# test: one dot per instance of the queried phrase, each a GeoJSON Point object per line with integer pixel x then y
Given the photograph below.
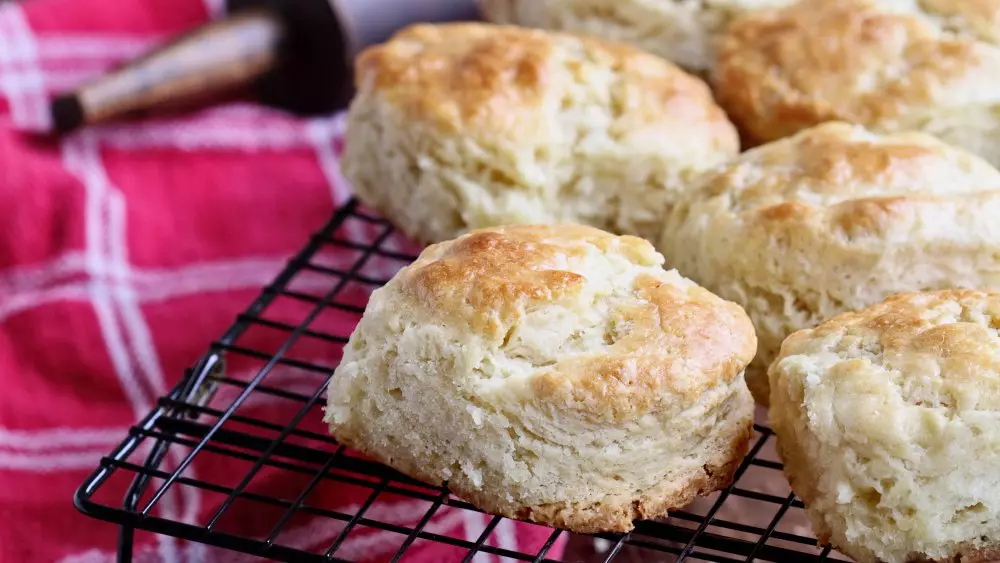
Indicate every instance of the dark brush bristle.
{"type": "Point", "coordinates": [67, 113]}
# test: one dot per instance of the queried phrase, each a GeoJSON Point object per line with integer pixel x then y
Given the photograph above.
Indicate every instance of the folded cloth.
{"type": "Point", "coordinates": [125, 250]}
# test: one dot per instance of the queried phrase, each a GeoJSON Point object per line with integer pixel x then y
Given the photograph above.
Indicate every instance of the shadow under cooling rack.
{"type": "Point", "coordinates": [242, 433]}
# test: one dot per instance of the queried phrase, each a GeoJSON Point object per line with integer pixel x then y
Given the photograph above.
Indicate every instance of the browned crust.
{"type": "Point", "coordinates": [780, 71]}
{"type": "Point", "coordinates": [758, 383]}
{"type": "Point", "coordinates": [968, 554]}
{"type": "Point", "coordinates": [484, 281]}
{"type": "Point", "coordinates": [476, 76]}
{"type": "Point", "coordinates": [592, 517]}
{"type": "Point", "coordinates": [965, 554]}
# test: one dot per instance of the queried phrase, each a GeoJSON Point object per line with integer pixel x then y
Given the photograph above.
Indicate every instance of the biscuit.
{"type": "Point", "coordinates": [681, 31]}
{"type": "Point", "coordinates": [833, 219]}
{"type": "Point", "coordinates": [888, 423]}
{"type": "Point", "coordinates": [470, 125]}
{"type": "Point", "coordinates": [552, 373]}
{"type": "Point", "coordinates": [888, 65]}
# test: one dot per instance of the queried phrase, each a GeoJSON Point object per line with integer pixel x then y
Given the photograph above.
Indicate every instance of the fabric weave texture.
{"type": "Point", "coordinates": [125, 250]}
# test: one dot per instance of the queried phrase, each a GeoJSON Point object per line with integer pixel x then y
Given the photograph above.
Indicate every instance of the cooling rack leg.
{"type": "Point", "coordinates": [125, 534]}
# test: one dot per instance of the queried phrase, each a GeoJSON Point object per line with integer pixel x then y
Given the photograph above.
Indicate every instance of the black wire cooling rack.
{"type": "Point", "coordinates": [208, 418]}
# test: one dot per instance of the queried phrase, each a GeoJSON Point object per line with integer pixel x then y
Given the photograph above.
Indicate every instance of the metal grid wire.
{"type": "Point", "coordinates": [205, 416]}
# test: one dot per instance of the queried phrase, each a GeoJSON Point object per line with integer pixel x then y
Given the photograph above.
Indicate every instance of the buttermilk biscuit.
{"type": "Point", "coordinates": [888, 422]}
{"type": "Point", "coordinates": [929, 65]}
{"type": "Point", "coordinates": [551, 373]}
{"type": "Point", "coordinates": [683, 31]}
{"type": "Point", "coordinates": [462, 126]}
{"type": "Point", "coordinates": [833, 219]}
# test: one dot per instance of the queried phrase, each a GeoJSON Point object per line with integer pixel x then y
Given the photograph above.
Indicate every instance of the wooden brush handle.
{"type": "Point", "coordinates": [292, 54]}
{"type": "Point", "coordinates": [221, 57]}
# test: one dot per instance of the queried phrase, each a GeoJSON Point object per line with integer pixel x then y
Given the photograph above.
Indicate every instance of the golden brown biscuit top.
{"type": "Point", "coordinates": [845, 174]}
{"type": "Point", "coordinates": [937, 349]}
{"type": "Point", "coordinates": [494, 274]}
{"type": "Point", "coordinates": [590, 315]}
{"type": "Point", "coordinates": [478, 77]}
{"type": "Point", "coordinates": [975, 18]}
{"type": "Point", "coordinates": [857, 61]}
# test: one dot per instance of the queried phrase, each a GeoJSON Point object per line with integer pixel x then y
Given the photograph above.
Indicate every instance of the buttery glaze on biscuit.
{"type": "Point", "coordinates": [889, 65]}
{"type": "Point", "coordinates": [557, 374]}
{"type": "Point", "coordinates": [680, 31]}
{"type": "Point", "coordinates": [833, 219]}
{"type": "Point", "coordinates": [888, 422]}
{"type": "Point", "coordinates": [470, 125]}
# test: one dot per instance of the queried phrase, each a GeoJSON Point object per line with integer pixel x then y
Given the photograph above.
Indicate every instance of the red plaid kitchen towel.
{"type": "Point", "coordinates": [124, 251]}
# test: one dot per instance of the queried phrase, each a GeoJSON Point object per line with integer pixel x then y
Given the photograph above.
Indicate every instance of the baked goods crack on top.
{"type": "Point", "coordinates": [833, 219]}
{"type": "Point", "coordinates": [891, 65]}
{"type": "Point", "coordinates": [552, 373]}
{"type": "Point", "coordinates": [470, 125]}
{"type": "Point", "coordinates": [682, 31]}
{"type": "Point", "coordinates": [888, 423]}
